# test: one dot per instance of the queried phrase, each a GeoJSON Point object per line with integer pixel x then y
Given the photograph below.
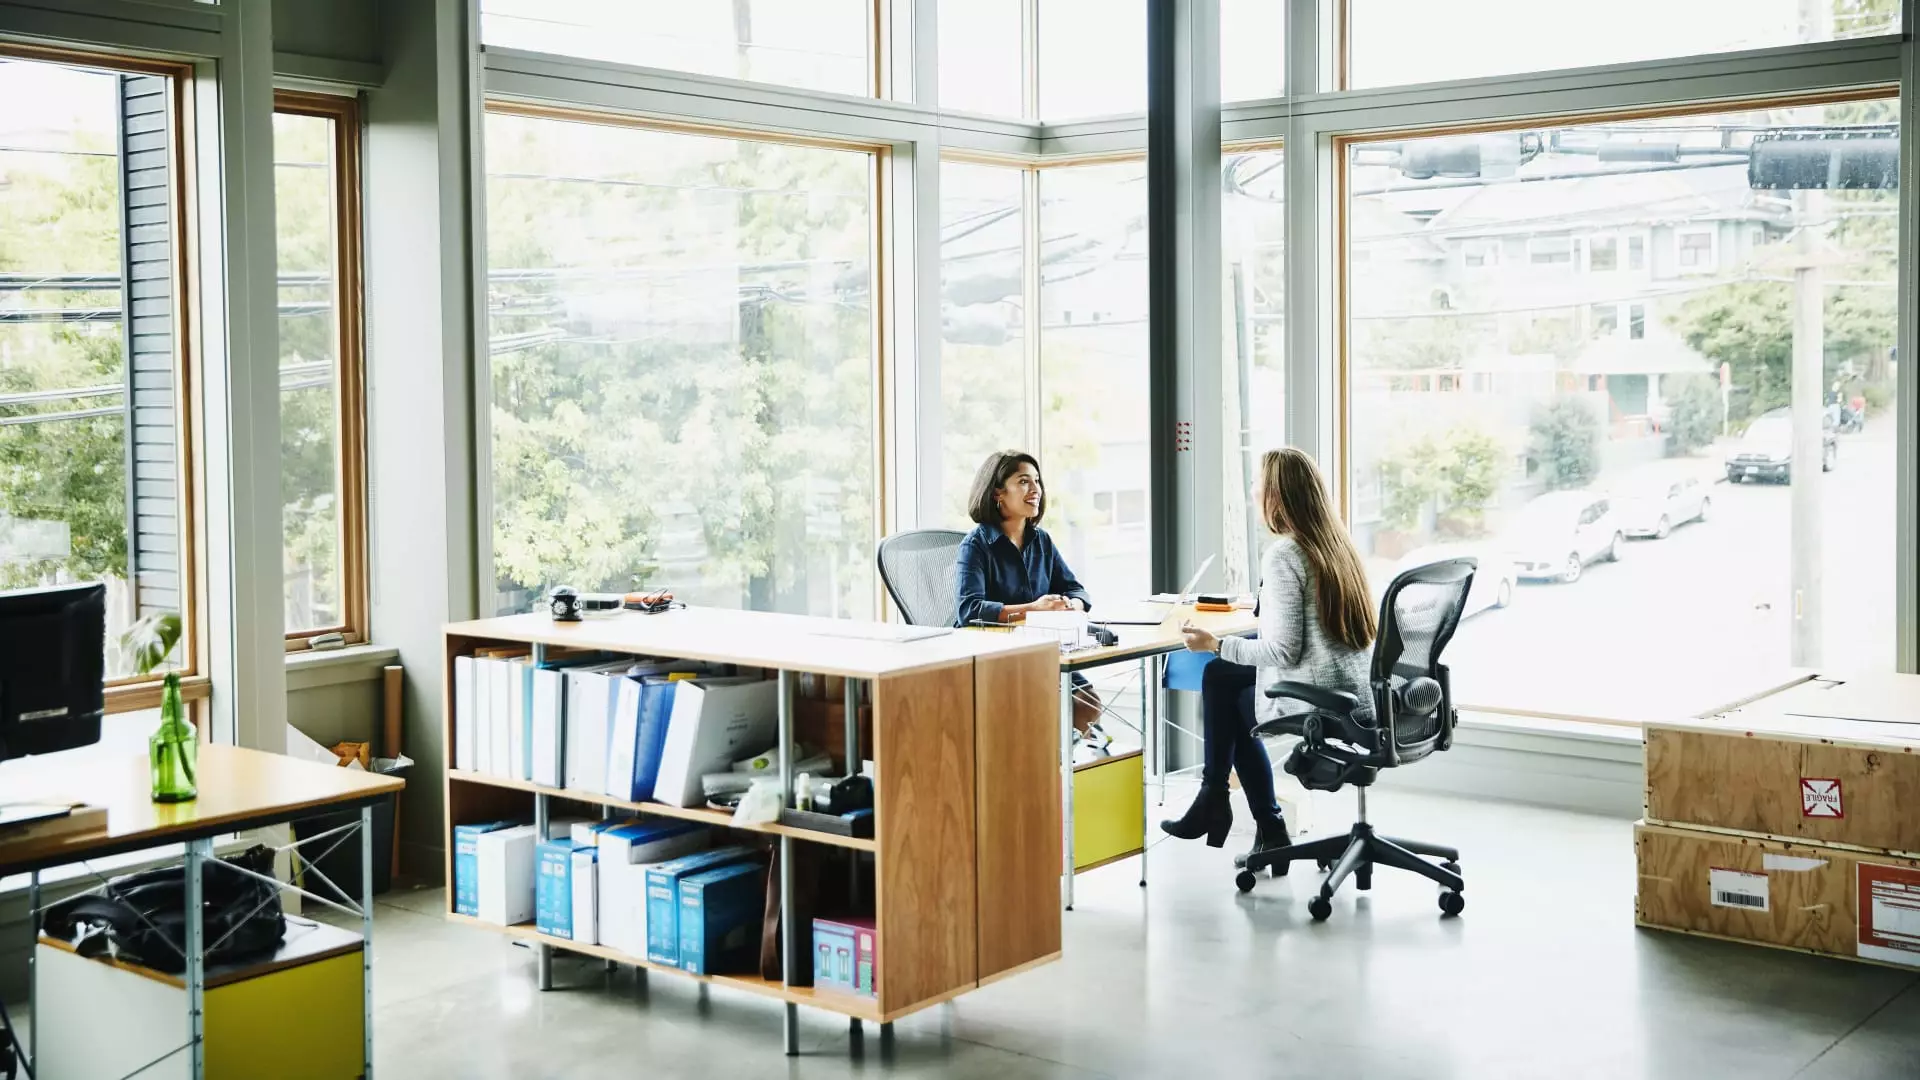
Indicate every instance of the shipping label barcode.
{"type": "Point", "coordinates": [1738, 889]}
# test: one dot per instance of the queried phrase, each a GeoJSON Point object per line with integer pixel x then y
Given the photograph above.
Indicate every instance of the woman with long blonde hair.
{"type": "Point", "coordinates": [1316, 625]}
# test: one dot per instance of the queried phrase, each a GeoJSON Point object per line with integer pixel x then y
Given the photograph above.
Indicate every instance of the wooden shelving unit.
{"type": "Point", "coordinates": [966, 851]}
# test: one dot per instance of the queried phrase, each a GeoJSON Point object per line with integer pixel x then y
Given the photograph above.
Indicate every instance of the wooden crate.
{"type": "Point", "coordinates": [1791, 896]}
{"type": "Point", "coordinates": [1828, 761]}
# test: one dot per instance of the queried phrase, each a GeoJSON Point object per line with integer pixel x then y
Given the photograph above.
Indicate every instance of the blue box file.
{"type": "Point", "coordinates": [722, 912]}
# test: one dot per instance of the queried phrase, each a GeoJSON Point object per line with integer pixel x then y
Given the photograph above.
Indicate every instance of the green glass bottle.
{"type": "Point", "coordinates": [174, 748]}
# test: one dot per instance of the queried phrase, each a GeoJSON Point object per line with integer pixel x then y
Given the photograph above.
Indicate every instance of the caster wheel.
{"type": "Point", "coordinates": [1320, 908]}
{"type": "Point", "coordinates": [1452, 903]}
{"type": "Point", "coordinates": [1363, 880]}
{"type": "Point", "coordinates": [1325, 865]}
{"type": "Point", "coordinates": [1450, 867]}
{"type": "Point", "coordinates": [1245, 881]}
{"type": "Point", "coordinates": [1278, 869]}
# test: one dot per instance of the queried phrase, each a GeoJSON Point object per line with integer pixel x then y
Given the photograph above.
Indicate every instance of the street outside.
{"type": "Point", "coordinates": [1702, 618]}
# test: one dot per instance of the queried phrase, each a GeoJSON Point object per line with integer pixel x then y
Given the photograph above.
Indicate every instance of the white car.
{"type": "Point", "coordinates": [1493, 580]}
{"type": "Point", "coordinates": [1656, 509]}
{"type": "Point", "coordinates": [1556, 535]}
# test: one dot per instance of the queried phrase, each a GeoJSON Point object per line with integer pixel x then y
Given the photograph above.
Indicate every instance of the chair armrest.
{"type": "Point", "coordinates": [1290, 724]}
{"type": "Point", "coordinates": [1338, 702]}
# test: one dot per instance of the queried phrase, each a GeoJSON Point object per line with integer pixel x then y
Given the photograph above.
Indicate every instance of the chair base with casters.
{"type": "Point", "coordinates": [1345, 741]}
{"type": "Point", "coordinates": [1354, 854]}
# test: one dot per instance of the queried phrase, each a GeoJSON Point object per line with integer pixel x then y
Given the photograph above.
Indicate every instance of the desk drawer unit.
{"type": "Point", "coordinates": [1109, 808]}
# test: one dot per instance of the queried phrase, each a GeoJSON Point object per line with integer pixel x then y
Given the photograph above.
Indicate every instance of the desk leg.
{"type": "Point", "coordinates": [1066, 784]}
{"type": "Point", "coordinates": [1158, 696]}
{"type": "Point", "coordinates": [366, 942]}
{"type": "Point", "coordinates": [543, 953]}
{"type": "Point", "coordinates": [196, 973]}
{"type": "Point", "coordinates": [1150, 755]}
{"type": "Point", "coordinates": [33, 973]}
{"type": "Point", "coordinates": [790, 1014]}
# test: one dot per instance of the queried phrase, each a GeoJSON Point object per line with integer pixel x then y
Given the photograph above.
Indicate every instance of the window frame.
{"type": "Point", "coordinates": [1707, 268]}
{"type": "Point", "coordinates": [134, 693]}
{"type": "Point", "coordinates": [1539, 245]}
{"type": "Point", "coordinates": [350, 468]}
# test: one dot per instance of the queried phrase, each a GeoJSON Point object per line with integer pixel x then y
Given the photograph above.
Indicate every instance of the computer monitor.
{"type": "Point", "coordinates": [52, 668]}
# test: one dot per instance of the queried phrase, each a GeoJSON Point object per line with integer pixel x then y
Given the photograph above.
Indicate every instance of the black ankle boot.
{"type": "Point", "coordinates": [1268, 834]}
{"type": "Point", "coordinates": [1210, 816]}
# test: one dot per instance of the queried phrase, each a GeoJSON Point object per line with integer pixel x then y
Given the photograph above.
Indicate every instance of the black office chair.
{"type": "Point", "coordinates": [917, 568]}
{"type": "Point", "coordinates": [1343, 742]}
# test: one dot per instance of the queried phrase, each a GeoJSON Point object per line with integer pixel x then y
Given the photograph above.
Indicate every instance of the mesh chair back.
{"type": "Point", "coordinates": [917, 568]}
{"type": "Point", "coordinates": [1418, 617]}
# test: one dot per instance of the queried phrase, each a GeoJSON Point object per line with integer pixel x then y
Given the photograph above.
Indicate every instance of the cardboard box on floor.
{"type": "Point", "coordinates": [1806, 897]}
{"type": "Point", "coordinates": [1832, 761]}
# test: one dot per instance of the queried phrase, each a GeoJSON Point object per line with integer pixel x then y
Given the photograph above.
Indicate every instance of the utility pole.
{"type": "Point", "coordinates": [1809, 376]}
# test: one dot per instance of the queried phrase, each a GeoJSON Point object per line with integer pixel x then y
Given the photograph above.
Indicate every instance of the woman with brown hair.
{"type": "Point", "coordinates": [1008, 565]}
{"type": "Point", "coordinates": [1316, 625]}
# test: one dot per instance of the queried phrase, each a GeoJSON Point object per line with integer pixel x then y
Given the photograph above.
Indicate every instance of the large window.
{"type": "Point", "coordinates": [316, 195]}
{"type": "Point", "coordinates": [1545, 419]}
{"type": "Point", "coordinates": [1093, 372]}
{"type": "Point", "coordinates": [1253, 347]}
{"type": "Point", "coordinates": [1253, 49]}
{"type": "Point", "coordinates": [983, 324]}
{"type": "Point", "coordinates": [816, 44]}
{"type": "Point", "coordinates": [681, 341]}
{"type": "Point", "coordinates": [1092, 58]}
{"type": "Point", "coordinates": [92, 448]}
{"type": "Point", "coordinates": [982, 57]}
{"type": "Point", "coordinates": [1393, 42]}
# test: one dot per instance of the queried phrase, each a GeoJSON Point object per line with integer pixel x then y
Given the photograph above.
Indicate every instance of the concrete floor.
{"type": "Point", "coordinates": [1545, 975]}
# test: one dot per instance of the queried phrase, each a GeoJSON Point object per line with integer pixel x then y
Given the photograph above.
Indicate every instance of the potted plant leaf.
{"type": "Point", "coordinates": [173, 748]}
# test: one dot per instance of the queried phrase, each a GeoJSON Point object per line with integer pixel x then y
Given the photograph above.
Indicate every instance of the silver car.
{"type": "Point", "coordinates": [1556, 535]}
{"type": "Point", "coordinates": [1493, 579]}
{"type": "Point", "coordinates": [1657, 509]}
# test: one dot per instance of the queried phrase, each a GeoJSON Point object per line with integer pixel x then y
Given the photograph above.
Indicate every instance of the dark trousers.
{"type": "Point", "coordinates": [1227, 721]}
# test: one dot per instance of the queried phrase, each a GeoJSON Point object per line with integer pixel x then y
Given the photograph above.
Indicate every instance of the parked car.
{"type": "Point", "coordinates": [1559, 533]}
{"type": "Point", "coordinates": [1765, 452]}
{"type": "Point", "coordinates": [1656, 509]}
{"type": "Point", "coordinates": [1493, 580]}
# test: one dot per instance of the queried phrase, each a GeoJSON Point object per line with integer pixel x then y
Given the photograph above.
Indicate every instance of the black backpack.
{"type": "Point", "coordinates": [142, 917]}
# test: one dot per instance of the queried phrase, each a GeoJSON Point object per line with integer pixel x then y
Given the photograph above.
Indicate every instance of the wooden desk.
{"type": "Point", "coordinates": [1141, 642]}
{"type": "Point", "coordinates": [964, 855]}
{"type": "Point", "coordinates": [1138, 644]}
{"type": "Point", "coordinates": [239, 789]}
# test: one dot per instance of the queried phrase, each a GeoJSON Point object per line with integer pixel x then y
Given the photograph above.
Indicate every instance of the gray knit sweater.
{"type": "Point", "coordinates": [1292, 645]}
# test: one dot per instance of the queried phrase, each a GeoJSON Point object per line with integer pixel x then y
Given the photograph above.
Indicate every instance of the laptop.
{"type": "Point", "coordinates": [1151, 612]}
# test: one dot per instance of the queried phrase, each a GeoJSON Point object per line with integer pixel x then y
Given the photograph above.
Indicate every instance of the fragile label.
{"type": "Point", "coordinates": [1889, 914]}
{"type": "Point", "coordinates": [1820, 797]}
{"type": "Point", "coordinates": [1737, 889]}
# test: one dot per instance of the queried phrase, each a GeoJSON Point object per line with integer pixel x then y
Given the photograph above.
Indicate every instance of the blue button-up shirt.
{"type": "Point", "coordinates": [992, 572]}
